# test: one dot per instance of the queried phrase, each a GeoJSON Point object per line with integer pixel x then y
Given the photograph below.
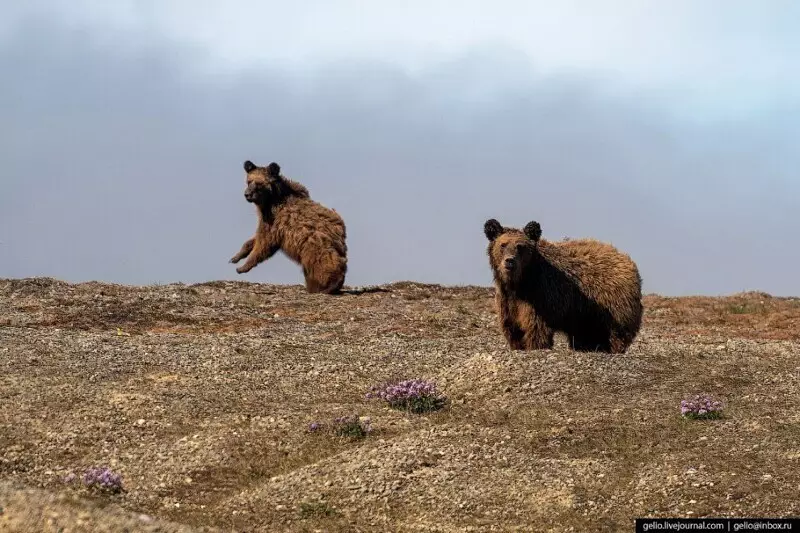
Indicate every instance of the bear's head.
{"type": "Point", "coordinates": [264, 184]}
{"type": "Point", "coordinates": [511, 250]}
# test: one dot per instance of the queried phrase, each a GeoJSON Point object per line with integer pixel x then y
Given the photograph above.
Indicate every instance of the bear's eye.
{"type": "Point", "coordinates": [520, 247]}
{"type": "Point", "coordinates": [503, 246]}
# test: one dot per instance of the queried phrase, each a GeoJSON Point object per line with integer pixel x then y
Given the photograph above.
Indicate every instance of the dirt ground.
{"type": "Point", "coordinates": [200, 397]}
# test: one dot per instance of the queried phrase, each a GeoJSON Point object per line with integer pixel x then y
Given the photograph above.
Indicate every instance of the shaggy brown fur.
{"type": "Point", "coordinates": [288, 220]}
{"type": "Point", "coordinates": [584, 288]}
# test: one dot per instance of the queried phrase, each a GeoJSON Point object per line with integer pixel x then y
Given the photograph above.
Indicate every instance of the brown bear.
{"type": "Point", "coordinates": [289, 220]}
{"type": "Point", "coordinates": [584, 288]}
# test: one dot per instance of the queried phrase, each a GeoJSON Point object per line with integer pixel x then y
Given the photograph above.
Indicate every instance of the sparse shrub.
{"type": "Point", "coordinates": [747, 308]}
{"type": "Point", "coordinates": [316, 509]}
{"type": "Point", "coordinates": [413, 395]}
{"type": "Point", "coordinates": [99, 478]}
{"type": "Point", "coordinates": [701, 406]}
{"type": "Point", "coordinates": [350, 426]}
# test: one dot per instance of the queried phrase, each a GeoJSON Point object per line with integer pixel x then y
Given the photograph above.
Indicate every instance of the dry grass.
{"type": "Point", "coordinates": [203, 401]}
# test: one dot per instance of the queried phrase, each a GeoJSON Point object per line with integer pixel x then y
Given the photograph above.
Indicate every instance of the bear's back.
{"type": "Point", "coordinates": [301, 223]}
{"type": "Point", "coordinates": [603, 273]}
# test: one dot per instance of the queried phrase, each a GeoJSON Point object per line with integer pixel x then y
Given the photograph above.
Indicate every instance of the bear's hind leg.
{"type": "Point", "coordinates": [589, 343]}
{"type": "Point", "coordinates": [617, 343]}
{"type": "Point", "coordinates": [335, 286]}
{"type": "Point", "coordinates": [325, 277]}
{"type": "Point", "coordinates": [312, 287]}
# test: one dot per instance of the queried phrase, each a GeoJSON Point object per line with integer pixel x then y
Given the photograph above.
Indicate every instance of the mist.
{"type": "Point", "coordinates": [122, 162]}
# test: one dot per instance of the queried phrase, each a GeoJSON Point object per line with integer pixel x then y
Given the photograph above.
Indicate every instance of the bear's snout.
{"type": "Point", "coordinates": [251, 193]}
{"type": "Point", "coordinates": [510, 263]}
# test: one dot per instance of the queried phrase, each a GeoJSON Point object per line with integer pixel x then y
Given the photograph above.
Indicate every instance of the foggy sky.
{"type": "Point", "coordinates": [122, 147]}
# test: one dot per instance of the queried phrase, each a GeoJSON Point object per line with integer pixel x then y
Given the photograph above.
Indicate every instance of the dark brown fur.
{"type": "Point", "coordinates": [289, 220]}
{"type": "Point", "coordinates": [585, 288]}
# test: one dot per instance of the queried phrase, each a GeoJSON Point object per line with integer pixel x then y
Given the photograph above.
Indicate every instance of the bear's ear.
{"type": "Point", "coordinates": [533, 230]}
{"type": "Point", "coordinates": [492, 228]}
{"type": "Point", "coordinates": [249, 166]}
{"type": "Point", "coordinates": [274, 170]}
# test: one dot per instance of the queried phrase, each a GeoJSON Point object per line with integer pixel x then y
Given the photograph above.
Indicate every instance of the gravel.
{"type": "Point", "coordinates": [200, 397]}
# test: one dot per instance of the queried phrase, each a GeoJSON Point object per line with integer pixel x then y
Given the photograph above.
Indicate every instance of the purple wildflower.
{"type": "Point", "coordinates": [314, 426]}
{"type": "Point", "coordinates": [701, 406]}
{"type": "Point", "coordinates": [415, 395]}
{"type": "Point", "coordinates": [69, 478]}
{"type": "Point", "coordinates": [102, 478]}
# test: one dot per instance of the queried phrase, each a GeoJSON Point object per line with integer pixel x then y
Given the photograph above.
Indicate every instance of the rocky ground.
{"type": "Point", "coordinates": [201, 396]}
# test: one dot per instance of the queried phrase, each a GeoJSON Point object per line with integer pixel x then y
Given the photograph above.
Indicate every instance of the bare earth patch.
{"type": "Point", "coordinates": [201, 396]}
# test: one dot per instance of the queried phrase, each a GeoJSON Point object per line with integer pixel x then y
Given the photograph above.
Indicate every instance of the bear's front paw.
{"type": "Point", "coordinates": [242, 270]}
{"type": "Point", "coordinates": [235, 259]}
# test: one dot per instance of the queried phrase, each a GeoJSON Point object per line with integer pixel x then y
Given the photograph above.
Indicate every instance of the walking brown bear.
{"type": "Point", "coordinates": [289, 220]}
{"type": "Point", "coordinates": [584, 288]}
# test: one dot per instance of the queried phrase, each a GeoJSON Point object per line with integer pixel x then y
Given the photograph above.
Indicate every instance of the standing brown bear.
{"type": "Point", "coordinates": [289, 220]}
{"type": "Point", "coordinates": [584, 288]}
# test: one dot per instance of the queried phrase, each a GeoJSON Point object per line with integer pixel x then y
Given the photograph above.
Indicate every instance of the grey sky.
{"type": "Point", "coordinates": [671, 133]}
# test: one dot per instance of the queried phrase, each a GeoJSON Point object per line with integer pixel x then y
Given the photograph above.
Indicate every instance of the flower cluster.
{"type": "Point", "coordinates": [414, 395]}
{"type": "Point", "coordinates": [98, 478]}
{"type": "Point", "coordinates": [701, 406]}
